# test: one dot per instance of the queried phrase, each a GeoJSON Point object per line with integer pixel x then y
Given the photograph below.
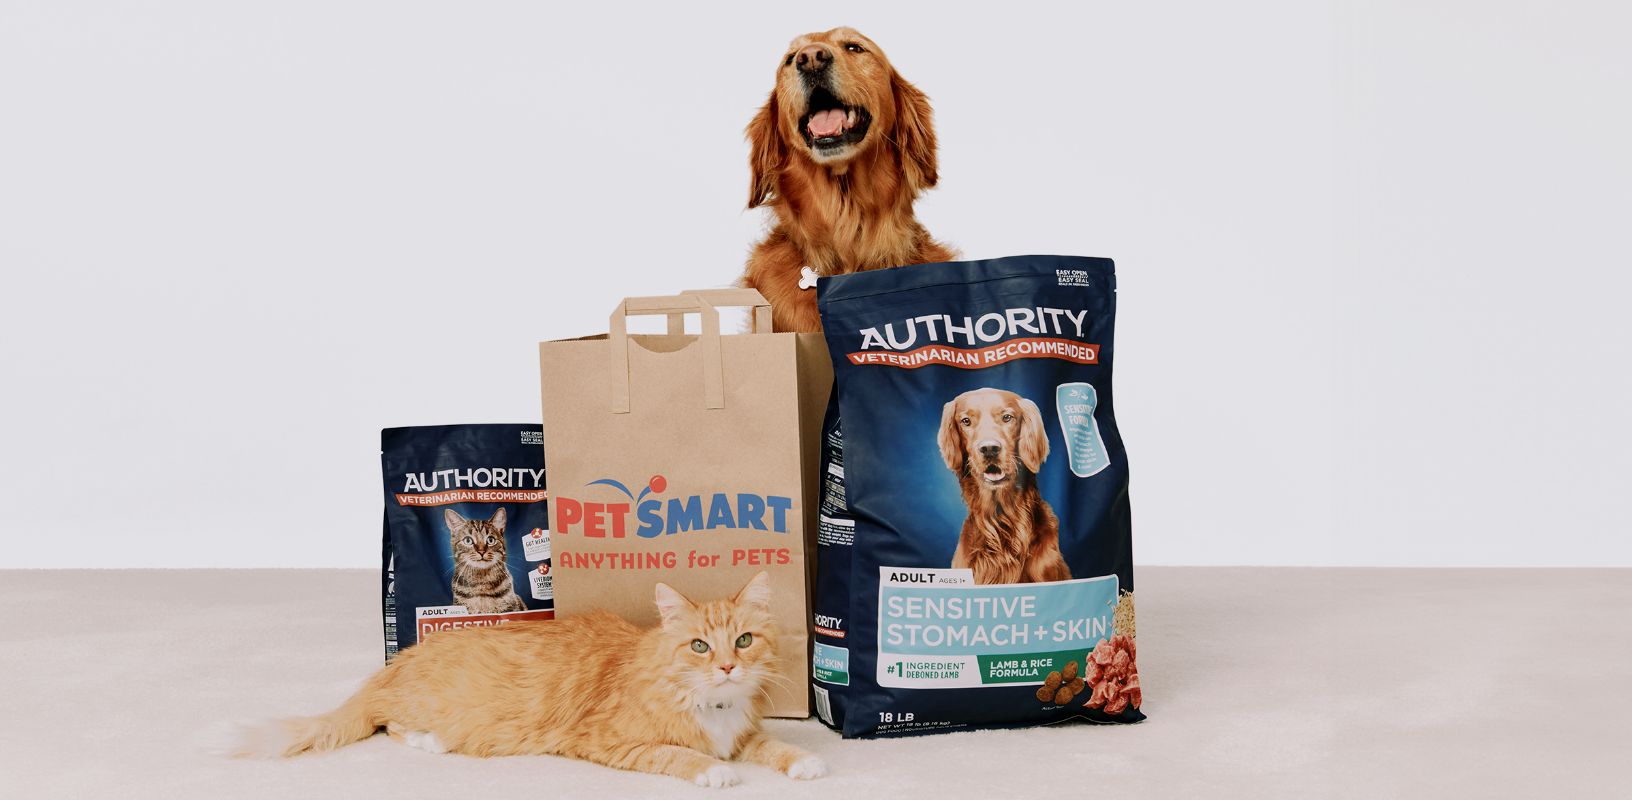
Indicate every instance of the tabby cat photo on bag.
{"type": "Point", "coordinates": [481, 582]}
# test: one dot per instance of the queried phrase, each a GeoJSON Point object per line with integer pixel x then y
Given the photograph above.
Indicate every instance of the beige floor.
{"type": "Point", "coordinates": [1258, 683]}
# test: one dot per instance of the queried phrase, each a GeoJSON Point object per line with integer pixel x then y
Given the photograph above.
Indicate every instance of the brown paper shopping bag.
{"type": "Point", "coordinates": [686, 459]}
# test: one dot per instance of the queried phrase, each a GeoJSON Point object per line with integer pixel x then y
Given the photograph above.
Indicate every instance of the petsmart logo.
{"type": "Point", "coordinates": [655, 517]}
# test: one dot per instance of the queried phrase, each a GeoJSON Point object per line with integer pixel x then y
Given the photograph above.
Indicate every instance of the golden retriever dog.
{"type": "Point", "coordinates": [995, 442]}
{"type": "Point", "coordinates": [839, 152]}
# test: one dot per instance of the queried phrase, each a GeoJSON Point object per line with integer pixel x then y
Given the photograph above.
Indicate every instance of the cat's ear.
{"type": "Point", "coordinates": [757, 593]}
{"type": "Point", "coordinates": [671, 604]}
{"type": "Point", "coordinates": [455, 522]}
{"type": "Point", "coordinates": [498, 519]}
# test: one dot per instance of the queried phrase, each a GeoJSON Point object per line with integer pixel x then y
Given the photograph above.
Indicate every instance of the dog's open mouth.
{"type": "Point", "coordinates": [993, 473]}
{"type": "Point", "coordinates": [829, 124]}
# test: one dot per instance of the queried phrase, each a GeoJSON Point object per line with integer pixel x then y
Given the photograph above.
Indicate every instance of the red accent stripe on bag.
{"type": "Point", "coordinates": [452, 496]}
{"type": "Point", "coordinates": [981, 357]}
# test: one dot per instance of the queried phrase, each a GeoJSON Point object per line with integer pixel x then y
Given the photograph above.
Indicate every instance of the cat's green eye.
{"type": "Point", "coordinates": [745, 640]}
{"type": "Point", "coordinates": [699, 645]}
{"type": "Point", "coordinates": [490, 539]}
{"type": "Point", "coordinates": [468, 541]}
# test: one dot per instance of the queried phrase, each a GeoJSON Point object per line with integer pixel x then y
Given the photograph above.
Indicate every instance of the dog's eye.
{"type": "Point", "coordinates": [1008, 417]}
{"type": "Point", "coordinates": [964, 422]}
{"type": "Point", "coordinates": [854, 48]}
{"type": "Point", "coordinates": [788, 60]}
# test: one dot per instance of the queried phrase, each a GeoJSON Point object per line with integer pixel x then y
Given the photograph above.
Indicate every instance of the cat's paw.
{"type": "Point", "coordinates": [424, 740]}
{"type": "Point", "coordinates": [808, 768]}
{"type": "Point", "coordinates": [718, 776]}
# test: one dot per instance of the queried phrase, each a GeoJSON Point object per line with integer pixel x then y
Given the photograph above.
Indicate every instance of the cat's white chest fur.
{"type": "Point", "coordinates": [723, 723]}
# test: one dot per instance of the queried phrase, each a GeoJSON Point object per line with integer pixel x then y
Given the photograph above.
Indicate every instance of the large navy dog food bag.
{"type": "Point", "coordinates": [974, 561]}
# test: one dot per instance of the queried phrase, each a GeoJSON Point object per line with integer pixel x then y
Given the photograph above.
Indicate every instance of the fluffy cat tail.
{"type": "Point", "coordinates": [281, 738]}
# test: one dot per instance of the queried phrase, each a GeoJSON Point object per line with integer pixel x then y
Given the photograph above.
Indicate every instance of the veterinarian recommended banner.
{"type": "Point", "coordinates": [690, 460]}
{"type": "Point", "coordinates": [974, 562]}
{"type": "Point", "coordinates": [466, 529]}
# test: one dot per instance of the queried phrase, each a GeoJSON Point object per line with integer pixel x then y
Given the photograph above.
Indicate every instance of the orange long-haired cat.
{"type": "Point", "coordinates": [677, 699]}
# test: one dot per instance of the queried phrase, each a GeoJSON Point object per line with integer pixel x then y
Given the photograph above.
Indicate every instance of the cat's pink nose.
{"type": "Point", "coordinates": [726, 668]}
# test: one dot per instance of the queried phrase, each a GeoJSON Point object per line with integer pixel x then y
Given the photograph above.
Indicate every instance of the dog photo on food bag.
{"type": "Point", "coordinates": [839, 152]}
{"type": "Point", "coordinates": [678, 699]}
{"type": "Point", "coordinates": [994, 440]}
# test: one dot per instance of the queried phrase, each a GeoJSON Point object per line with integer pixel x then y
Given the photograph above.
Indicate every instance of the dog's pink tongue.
{"type": "Point", "coordinates": [827, 123]}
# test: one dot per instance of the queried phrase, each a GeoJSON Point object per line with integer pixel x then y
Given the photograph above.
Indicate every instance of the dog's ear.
{"type": "Point", "coordinates": [767, 152]}
{"type": "Point", "coordinates": [1033, 438]}
{"type": "Point", "coordinates": [914, 134]}
{"type": "Point", "coordinates": [951, 439]}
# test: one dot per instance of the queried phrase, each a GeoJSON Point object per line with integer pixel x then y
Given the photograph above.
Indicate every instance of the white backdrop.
{"type": "Point", "coordinates": [1373, 256]}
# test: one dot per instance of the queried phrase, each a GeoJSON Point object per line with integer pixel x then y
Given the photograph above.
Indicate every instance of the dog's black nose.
{"type": "Point", "coordinates": [813, 58]}
{"type": "Point", "coordinates": [990, 450]}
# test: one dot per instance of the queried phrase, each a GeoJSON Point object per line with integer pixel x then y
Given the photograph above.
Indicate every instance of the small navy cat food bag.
{"type": "Point", "coordinates": [974, 561]}
{"type": "Point", "coordinates": [467, 540]}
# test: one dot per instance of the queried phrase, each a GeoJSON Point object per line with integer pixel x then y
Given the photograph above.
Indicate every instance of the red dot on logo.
{"type": "Point", "coordinates": [658, 483]}
{"type": "Point", "coordinates": [538, 532]}
{"type": "Point", "coordinates": [543, 569]}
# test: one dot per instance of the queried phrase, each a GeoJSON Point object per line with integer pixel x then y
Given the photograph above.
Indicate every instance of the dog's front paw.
{"type": "Point", "coordinates": [808, 768]}
{"type": "Point", "coordinates": [718, 776]}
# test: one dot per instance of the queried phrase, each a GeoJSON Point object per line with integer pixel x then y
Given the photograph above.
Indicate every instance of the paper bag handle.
{"type": "Point", "coordinates": [675, 308]}
{"type": "Point", "coordinates": [734, 298]}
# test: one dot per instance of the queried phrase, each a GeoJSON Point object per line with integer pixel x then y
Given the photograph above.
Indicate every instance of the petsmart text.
{"type": "Point", "coordinates": [657, 517]}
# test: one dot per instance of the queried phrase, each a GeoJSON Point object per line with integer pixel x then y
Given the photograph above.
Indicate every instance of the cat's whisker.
{"type": "Point", "coordinates": [778, 678]}
{"type": "Point", "coordinates": [765, 687]}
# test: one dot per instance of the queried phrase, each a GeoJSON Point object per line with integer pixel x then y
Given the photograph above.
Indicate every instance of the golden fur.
{"type": "Point", "coordinates": [994, 440]}
{"type": "Point", "coordinates": [593, 687]}
{"type": "Point", "coordinates": [846, 207]}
